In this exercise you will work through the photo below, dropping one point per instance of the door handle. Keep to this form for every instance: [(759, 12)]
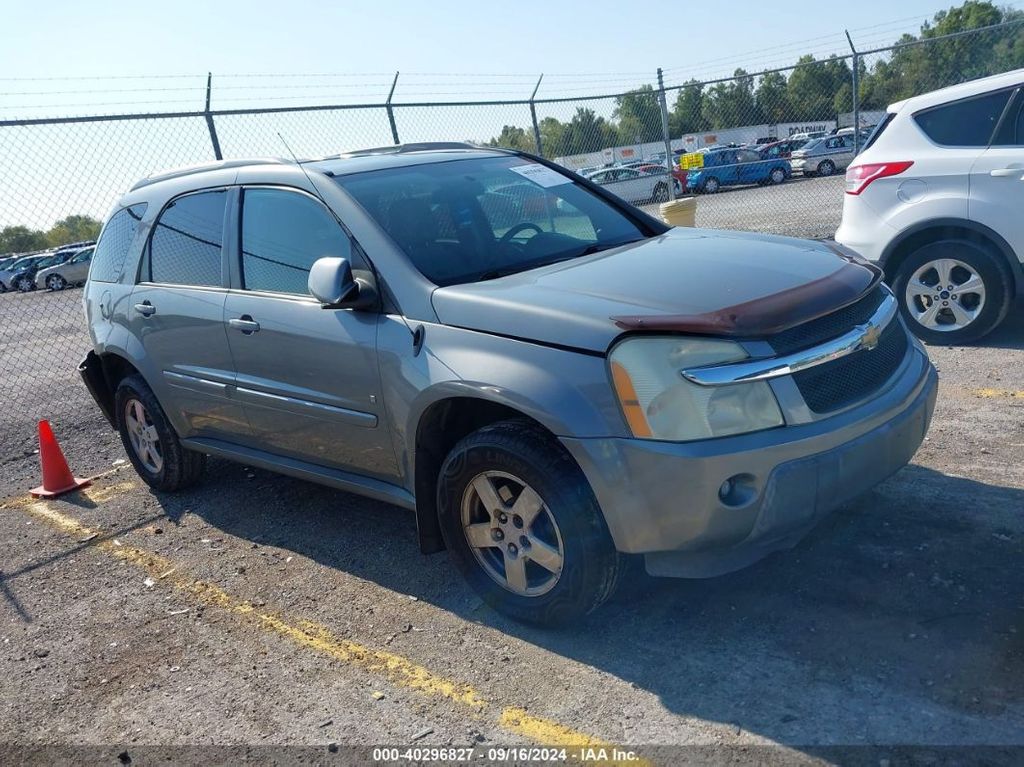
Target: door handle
[(245, 323), (1005, 172), (146, 309)]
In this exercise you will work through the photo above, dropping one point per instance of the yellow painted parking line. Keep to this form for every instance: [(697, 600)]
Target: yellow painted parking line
[(399, 671), (997, 393)]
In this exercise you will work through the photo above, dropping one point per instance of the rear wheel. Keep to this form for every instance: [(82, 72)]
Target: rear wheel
[(149, 439), (523, 526), (56, 282), (24, 284), (954, 291), (661, 193), (826, 168)]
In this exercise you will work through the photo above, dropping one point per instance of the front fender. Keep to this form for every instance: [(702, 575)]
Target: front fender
[(566, 391)]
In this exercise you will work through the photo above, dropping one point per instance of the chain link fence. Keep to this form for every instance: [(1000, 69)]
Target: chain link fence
[(729, 141)]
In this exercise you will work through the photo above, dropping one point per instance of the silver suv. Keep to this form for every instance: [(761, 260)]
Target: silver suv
[(550, 379)]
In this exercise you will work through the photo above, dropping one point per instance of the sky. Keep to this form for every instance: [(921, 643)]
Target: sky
[(445, 50), (61, 58)]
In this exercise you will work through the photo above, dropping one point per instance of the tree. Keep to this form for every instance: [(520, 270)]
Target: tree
[(639, 115), (552, 137), (772, 99), (811, 89), (687, 116), (586, 132), (19, 239), (512, 137), (74, 228), (731, 104)]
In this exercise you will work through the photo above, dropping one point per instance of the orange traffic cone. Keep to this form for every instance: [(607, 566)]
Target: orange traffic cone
[(57, 477)]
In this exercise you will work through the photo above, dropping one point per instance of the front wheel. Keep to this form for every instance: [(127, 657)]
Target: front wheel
[(24, 284), (777, 176), (661, 193), (523, 526), (826, 168), (953, 291), (149, 439), (56, 282), (710, 185)]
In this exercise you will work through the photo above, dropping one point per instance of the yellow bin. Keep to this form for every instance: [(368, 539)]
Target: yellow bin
[(681, 212)]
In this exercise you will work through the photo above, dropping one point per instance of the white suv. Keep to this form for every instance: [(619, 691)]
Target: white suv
[(937, 199)]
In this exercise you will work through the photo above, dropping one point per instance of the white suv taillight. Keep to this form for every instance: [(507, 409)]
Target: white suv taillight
[(859, 176)]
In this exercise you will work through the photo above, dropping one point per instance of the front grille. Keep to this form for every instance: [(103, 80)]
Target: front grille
[(828, 327), (841, 382)]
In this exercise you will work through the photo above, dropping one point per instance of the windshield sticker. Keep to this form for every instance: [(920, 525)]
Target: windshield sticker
[(541, 174)]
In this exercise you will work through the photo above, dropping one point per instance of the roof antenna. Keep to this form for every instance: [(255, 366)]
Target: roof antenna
[(309, 178)]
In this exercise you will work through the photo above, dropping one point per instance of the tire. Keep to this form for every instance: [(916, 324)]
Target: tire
[(512, 458), (25, 284), (710, 185), (826, 168), (56, 282), (777, 176), (661, 193), (174, 467), (934, 315)]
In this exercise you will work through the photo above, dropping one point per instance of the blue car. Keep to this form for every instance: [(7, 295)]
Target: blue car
[(733, 167)]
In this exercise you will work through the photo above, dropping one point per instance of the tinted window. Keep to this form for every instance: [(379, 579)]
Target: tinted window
[(112, 248), (186, 244), (1011, 133), (283, 233), (964, 123)]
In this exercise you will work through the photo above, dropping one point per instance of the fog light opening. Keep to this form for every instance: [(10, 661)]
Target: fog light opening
[(737, 490)]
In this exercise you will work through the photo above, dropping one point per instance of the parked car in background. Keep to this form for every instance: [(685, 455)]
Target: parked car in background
[(823, 156), (11, 277), (808, 135), (678, 176), (71, 272), (549, 405), (937, 199), (731, 167), (22, 274), (633, 185), (781, 149)]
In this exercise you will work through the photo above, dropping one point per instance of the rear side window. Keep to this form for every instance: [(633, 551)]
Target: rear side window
[(283, 233), (882, 125), (964, 123), (187, 239), (1011, 133), (112, 249)]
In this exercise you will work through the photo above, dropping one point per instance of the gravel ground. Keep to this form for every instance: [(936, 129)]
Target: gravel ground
[(260, 610)]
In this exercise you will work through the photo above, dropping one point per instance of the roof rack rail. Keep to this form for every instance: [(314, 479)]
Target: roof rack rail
[(419, 146), (188, 170)]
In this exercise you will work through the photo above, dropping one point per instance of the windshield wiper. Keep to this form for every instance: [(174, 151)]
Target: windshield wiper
[(590, 250)]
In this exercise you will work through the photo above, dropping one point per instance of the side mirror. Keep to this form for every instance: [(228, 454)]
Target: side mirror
[(332, 284)]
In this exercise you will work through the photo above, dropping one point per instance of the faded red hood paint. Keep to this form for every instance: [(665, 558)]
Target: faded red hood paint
[(689, 280)]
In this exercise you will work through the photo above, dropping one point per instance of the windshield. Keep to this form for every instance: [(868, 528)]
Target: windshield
[(466, 220)]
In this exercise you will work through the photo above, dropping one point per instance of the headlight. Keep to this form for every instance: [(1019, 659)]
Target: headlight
[(659, 403)]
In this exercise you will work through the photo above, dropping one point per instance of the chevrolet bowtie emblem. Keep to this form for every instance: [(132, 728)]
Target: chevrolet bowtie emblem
[(869, 339)]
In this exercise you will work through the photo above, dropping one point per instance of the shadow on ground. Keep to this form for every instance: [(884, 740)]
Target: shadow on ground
[(910, 594)]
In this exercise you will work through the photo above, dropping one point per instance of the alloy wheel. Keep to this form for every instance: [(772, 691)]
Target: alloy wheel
[(512, 533), (945, 295), (143, 436)]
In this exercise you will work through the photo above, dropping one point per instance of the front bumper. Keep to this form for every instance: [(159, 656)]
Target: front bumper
[(661, 499)]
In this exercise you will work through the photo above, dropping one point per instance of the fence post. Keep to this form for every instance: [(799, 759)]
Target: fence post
[(391, 111), (209, 119), (856, 94), (664, 132), (533, 116)]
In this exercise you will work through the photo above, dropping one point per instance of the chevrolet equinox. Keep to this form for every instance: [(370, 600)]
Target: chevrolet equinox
[(552, 380)]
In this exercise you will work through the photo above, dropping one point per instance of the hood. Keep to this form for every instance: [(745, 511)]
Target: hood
[(720, 283)]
